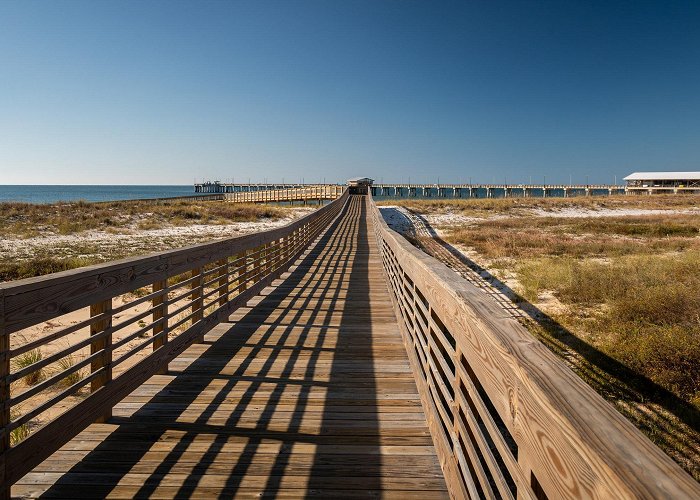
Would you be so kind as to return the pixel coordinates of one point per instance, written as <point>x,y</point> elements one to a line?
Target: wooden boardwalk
<point>306,392</point>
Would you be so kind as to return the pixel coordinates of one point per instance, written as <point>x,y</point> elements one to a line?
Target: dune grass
<point>28,359</point>
<point>522,237</point>
<point>642,310</point>
<point>20,433</point>
<point>24,220</point>
<point>28,220</point>
<point>67,363</point>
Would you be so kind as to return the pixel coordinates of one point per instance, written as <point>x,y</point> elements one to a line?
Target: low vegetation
<point>44,239</point>
<point>527,237</point>
<point>21,432</point>
<point>639,309</point>
<point>29,220</point>
<point>65,364</point>
<point>27,359</point>
<point>14,270</point>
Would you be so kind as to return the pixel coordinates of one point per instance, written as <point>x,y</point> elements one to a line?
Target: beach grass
<point>30,220</point>
<point>28,359</point>
<point>44,239</point>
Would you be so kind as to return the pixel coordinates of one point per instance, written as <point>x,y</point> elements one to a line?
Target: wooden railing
<point>73,344</point>
<point>308,193</point>
<point>510,420</point>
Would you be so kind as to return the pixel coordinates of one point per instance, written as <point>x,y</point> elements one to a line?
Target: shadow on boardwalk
<point>671,422</point>
<point>290,367</point>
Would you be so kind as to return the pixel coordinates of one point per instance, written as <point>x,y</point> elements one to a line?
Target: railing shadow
<point>352,380</point>
<point>647,404</point>
<point>162,450</point>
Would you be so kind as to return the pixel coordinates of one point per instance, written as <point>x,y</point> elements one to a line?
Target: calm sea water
<point>50,194</point>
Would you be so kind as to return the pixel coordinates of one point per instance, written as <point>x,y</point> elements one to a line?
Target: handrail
<point>509,419</point>
<point>189,290</point>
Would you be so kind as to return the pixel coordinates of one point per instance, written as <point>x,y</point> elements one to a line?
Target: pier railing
<point>306,194</point>
<point>508,419</point>
<point>73,344</point>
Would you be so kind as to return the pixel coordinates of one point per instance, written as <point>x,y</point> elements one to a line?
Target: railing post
<point>239,270</point>
<point>103,345</point>
<point>243,272</point>
<point>223,282</point>
<point>160,311</point>
<point>268,257</point>
<point>280,254</point>
<point>196,296</point>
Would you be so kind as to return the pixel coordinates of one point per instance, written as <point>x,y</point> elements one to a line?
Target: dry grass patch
<point>640,310</point>
<point>522,237</point>
<point>28,220</point>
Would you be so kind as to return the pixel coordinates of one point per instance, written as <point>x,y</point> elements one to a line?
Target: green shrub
<point>28,359</point>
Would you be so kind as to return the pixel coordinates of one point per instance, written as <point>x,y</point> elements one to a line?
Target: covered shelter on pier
<point>360,185</point>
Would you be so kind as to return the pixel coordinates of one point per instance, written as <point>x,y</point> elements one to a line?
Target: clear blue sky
<point>163,93</point>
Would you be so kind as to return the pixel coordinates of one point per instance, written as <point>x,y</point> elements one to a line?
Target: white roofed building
<point>663,181</point>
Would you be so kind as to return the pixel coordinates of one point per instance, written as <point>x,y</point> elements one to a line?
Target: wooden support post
<point>160,310</point>
<point>284,248</point>
<point>104,346</point>
<point>196,296</point>
<point>279,258</point>
<point>243,271</point>
<point>269,255</point>
<point>262,264</point>
<point>223,281</point>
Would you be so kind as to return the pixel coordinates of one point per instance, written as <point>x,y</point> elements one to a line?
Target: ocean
<point>51,194</point>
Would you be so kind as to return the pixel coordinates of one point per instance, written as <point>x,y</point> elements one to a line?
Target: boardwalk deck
<point>305,392</point>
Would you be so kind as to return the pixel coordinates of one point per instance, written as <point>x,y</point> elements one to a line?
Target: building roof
<point>360,179</point>
<point>663,176</point>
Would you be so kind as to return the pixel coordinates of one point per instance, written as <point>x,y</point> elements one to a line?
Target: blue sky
<point>169,92</point>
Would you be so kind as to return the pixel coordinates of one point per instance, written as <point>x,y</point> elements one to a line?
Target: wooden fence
<point>510,420</point>
<point>79,367</point>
